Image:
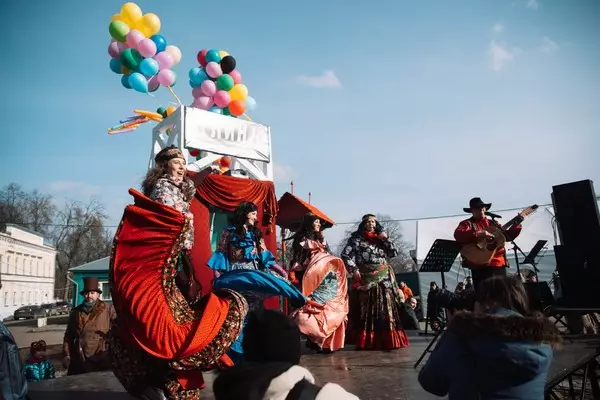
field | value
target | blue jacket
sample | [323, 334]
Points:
[496, 355]
[36, 370]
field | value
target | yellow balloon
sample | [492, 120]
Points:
[239, 92]
[149, 24]
[116, 17]
[223, 53]
[130, 14]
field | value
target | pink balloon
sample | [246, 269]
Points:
[213, 69]
[133, 38]
[164, 60]
[166, 77]
[147, 48]
[237, 77]
[222, 98]
[115, 49]
[208, 87]
[197, 92]
[153, 83]
[203, 102]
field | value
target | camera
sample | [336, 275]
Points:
[442, 298]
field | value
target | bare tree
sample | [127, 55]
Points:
[33, 210]
[403, 262]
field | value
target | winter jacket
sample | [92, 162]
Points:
[38, 370]
[13, 385]
[274, 381]
[497, 355]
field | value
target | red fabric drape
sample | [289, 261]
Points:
[226, 192]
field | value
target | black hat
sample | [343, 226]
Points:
[476, 202]
[90, 285]
[271, 336]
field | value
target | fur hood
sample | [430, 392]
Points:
[507, 326]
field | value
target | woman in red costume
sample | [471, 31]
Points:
[163, 339]
[324, 283]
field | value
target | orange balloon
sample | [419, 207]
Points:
[170, 110]
[225, 162]
[125, 70]
[237, 108]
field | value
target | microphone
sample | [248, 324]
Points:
[491, 214]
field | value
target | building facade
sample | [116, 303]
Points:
[27, 268]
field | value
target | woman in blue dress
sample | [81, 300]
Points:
[242, 263]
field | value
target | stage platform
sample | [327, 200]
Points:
[369, 375]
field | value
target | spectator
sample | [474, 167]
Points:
[13, 385]
[435, 313]
[411, 321]
[405, 289]
[469, 284]
[37, 367]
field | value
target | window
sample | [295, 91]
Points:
[24, 263]
[8, 264]
[23, 298]
[30, 297]
[17, 272]
[5, 299]
[14, 298]
[37, 269]
[105, 287]
[3, 268]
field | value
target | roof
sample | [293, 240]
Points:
[292, 209]
[98, 265]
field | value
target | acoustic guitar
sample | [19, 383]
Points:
[482, 252]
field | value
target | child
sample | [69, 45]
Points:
[37, 367]
[271, 372]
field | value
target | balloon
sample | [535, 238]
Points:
[153, 84]
[175, 53]
[225, 161]
[130, 13]
[170, 110]
[115, 66]
[237, 107]
[208, 88]
[250, 103]
[239, 92]
[203, 102]
[194, 152]
[116, 17]
[166, 77]
[223, 53]
[201, 57]
[237, 77]
[134, 37]
[225, 82]
[216, 110]
[160, 41]
[213, 69]
[125, 81]
[131, 59]
[197, 76]
[147, 47]
[118, 30]
[222, 98]
[227, 64]
[162, 111]
[125, 70]
[226, 111]
[149, 24]
[212, 56]
[115, 48]
[138, 82]
[164, 60]
[149, 66]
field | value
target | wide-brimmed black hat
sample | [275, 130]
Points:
[476, 202]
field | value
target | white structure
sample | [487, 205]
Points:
[247, 143]
[27, 268]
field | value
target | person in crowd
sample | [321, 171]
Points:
[271, 370]
[37, 366]
[460, 287]
[85, 344]
[376, 319]
[167, 183]
[243, 263]
[469, 283]
[435, 313]
[13, 383]
[411, 321]
[500, 351]
[324, 283]
[405, 289]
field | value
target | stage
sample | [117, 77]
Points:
[369, 375]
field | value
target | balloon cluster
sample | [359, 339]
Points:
[138, 52]
[217, 85]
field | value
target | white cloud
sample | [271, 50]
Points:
[533, 4]
[282, 173]
[549, 46]
[498, 28]
[500, 54]
[327, 80]
[74, 187]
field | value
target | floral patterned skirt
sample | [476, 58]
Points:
[375, 316]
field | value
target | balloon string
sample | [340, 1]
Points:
[174, 95]
[247, 116]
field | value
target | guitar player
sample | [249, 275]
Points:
[473, 229]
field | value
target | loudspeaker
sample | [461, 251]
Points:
[576, 212]
[579, 275]
[539, 295]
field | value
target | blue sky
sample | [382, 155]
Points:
[399, 107]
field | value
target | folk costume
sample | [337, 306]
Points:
[376, 309]
[163, 339]
[466, 233]
[324, 283]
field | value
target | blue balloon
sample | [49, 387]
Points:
[250, 103]
[138, 82]
[193, 85]
[115, 66]
[160, 42]
[125, 81]
[216, 110]
[149, 67]
[197, 76]
[213, 56]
